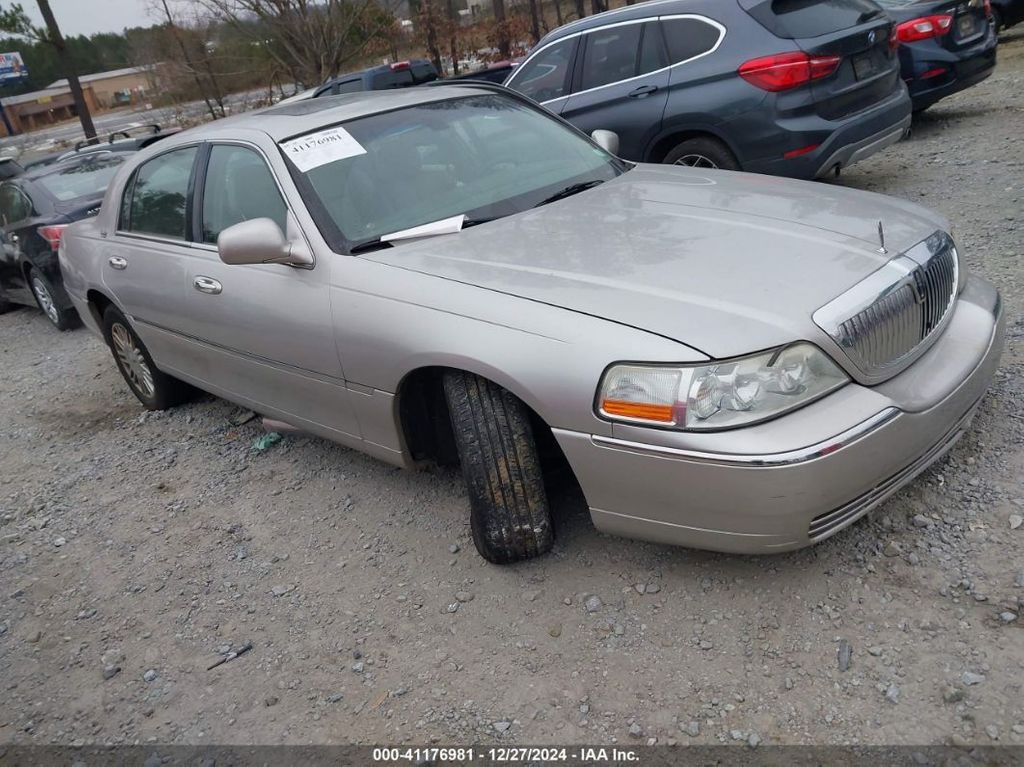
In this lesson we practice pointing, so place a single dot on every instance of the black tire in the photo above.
(46, 299)
(509, 512)
(702, 152)
(154, 389)
(5, 305)
(997, 20)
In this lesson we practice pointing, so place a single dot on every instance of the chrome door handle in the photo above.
(117, 262)
(207, 285)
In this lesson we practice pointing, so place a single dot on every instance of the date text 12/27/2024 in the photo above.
(510, 754)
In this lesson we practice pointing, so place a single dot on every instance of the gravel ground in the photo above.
(134, 547)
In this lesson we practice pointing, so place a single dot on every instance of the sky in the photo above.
(86, 17)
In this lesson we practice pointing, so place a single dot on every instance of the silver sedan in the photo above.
(451, 274)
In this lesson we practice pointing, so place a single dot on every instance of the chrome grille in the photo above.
(883, 320)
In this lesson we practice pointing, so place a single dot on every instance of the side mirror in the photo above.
(261, 241)
(607, 140)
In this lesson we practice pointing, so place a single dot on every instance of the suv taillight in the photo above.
(784, 71)
(52, 234)
(924, 28)
(988, 9)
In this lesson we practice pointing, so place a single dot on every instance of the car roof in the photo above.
(625, 13)
(287, 120)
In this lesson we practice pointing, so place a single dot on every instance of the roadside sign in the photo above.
(12, 68)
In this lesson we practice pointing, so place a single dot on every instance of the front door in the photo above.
(545, 77)
(261, 333)
(621, 85)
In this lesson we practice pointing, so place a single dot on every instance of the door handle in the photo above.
(207, 285)
(117, 262)
(643, 90)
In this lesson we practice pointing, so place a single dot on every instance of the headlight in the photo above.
(718, 395)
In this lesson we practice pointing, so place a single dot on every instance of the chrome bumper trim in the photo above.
(801, 455)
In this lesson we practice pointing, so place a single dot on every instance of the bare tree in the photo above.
(310, 39)
(501, 25)
(16, 21)
(188, 63)
(581, 10)
(534, 20)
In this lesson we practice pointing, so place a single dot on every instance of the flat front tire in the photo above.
(509, 513)
(154, 389)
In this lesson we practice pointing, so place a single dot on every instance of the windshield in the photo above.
(480, 156)
(86, 179)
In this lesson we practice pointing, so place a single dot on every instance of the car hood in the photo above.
(726, 263)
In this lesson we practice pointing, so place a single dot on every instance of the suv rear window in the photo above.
(809, 18)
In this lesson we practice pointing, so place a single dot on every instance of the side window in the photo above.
(546, 75)
(610, 55)
(652, 50)
(14, 205)
(239, 187)
(159, 195)
(688, 38)
(349, 86)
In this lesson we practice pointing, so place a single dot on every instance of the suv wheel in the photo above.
(509, 513)
(702, 152)
(45, 295)
(155, 390)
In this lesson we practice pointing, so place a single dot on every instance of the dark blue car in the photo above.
(945, 46)
(788, 87)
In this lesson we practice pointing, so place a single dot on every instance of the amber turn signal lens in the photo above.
(647, 412)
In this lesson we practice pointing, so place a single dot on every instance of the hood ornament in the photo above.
(881, 239)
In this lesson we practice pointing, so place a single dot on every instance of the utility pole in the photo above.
(188, 60)
(56, 39)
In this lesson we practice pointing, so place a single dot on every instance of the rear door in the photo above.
(857, 31)
(621, 84)
(146, 258)
(15, 210)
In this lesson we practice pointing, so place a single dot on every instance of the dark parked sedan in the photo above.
(1007, 13)
(945, 46)
(35, 208)
(787, 87)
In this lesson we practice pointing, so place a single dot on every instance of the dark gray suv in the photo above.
(789, 87)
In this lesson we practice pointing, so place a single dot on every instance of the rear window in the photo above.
(86, 179)
(400, 78)
(809, 18)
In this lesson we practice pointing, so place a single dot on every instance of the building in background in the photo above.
(28, 111)
(118, 87)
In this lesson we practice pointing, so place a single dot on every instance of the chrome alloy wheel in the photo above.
(696, 161)
(45, 300)
(133, 363)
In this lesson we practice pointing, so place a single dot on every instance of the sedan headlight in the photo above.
(718, 395)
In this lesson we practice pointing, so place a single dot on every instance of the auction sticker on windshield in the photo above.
(316, 149)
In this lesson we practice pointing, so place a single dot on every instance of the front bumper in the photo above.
(794, 481)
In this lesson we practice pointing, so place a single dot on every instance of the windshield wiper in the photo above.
(445, 226)
(368, 245)
(569, 191)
